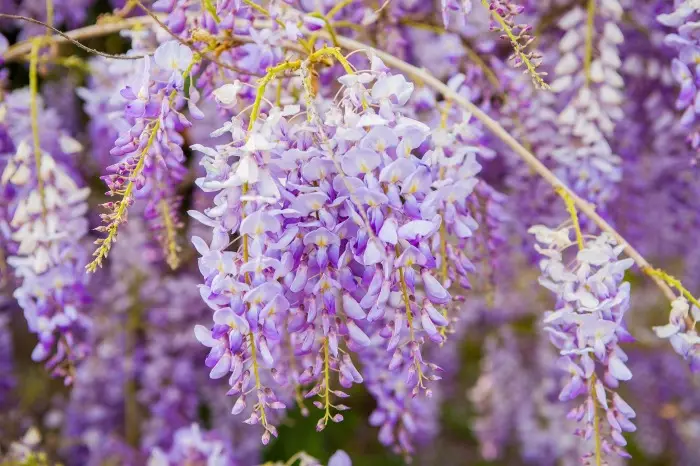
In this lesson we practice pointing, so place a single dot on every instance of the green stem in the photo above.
(34, 115)
(171, 247)
(573, 213)
(596, 424)
(588, 54)
(338, 6)
(256, 375)
(327, 381)
(409, 319)
(674, 282)
(209, 7)
(132, 410)
(329, 27)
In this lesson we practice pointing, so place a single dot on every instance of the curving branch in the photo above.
(22, 48)
(528, 157)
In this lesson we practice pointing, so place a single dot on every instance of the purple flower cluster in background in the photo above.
(44, 223)
(684, 20)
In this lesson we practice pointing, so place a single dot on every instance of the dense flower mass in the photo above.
(340, 228)
(226, 224)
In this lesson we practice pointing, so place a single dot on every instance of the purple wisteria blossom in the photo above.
(591, 85)
(44, 222)
(192, 446)
(315, 206)
(587, 328)
(684, 20)
(332, 263)
(150, 150)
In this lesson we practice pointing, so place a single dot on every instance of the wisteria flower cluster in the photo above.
(588, 327)
(226, 224)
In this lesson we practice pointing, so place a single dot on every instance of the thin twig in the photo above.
(24, 47)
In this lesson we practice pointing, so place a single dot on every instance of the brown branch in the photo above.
(527, 156)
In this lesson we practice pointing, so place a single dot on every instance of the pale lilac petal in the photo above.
(340, 458)
(352, 308)
(222, 367)
(203, 335)
(434, 290)
(357, 335)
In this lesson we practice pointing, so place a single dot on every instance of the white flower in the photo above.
(69, 145)
(227, 95)
(559, 238)
(173, 55)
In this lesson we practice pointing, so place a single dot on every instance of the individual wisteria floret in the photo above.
(685, 19)
(339, 458)
(587, 327)
(150, 150)
(681, 331)
(451, 6)
(338, 223)
(193, 446)
(44, 223)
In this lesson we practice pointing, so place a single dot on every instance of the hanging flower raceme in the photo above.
(150, 150)
(685, 70)
(503, 19)
(336, 219)
(342, 213)
(45, 221)
(529, 416)
(593, 87)
(587, 328)
(404, 421)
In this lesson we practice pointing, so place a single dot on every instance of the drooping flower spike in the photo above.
(150, 150)
(45, 220)
(587, 327)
